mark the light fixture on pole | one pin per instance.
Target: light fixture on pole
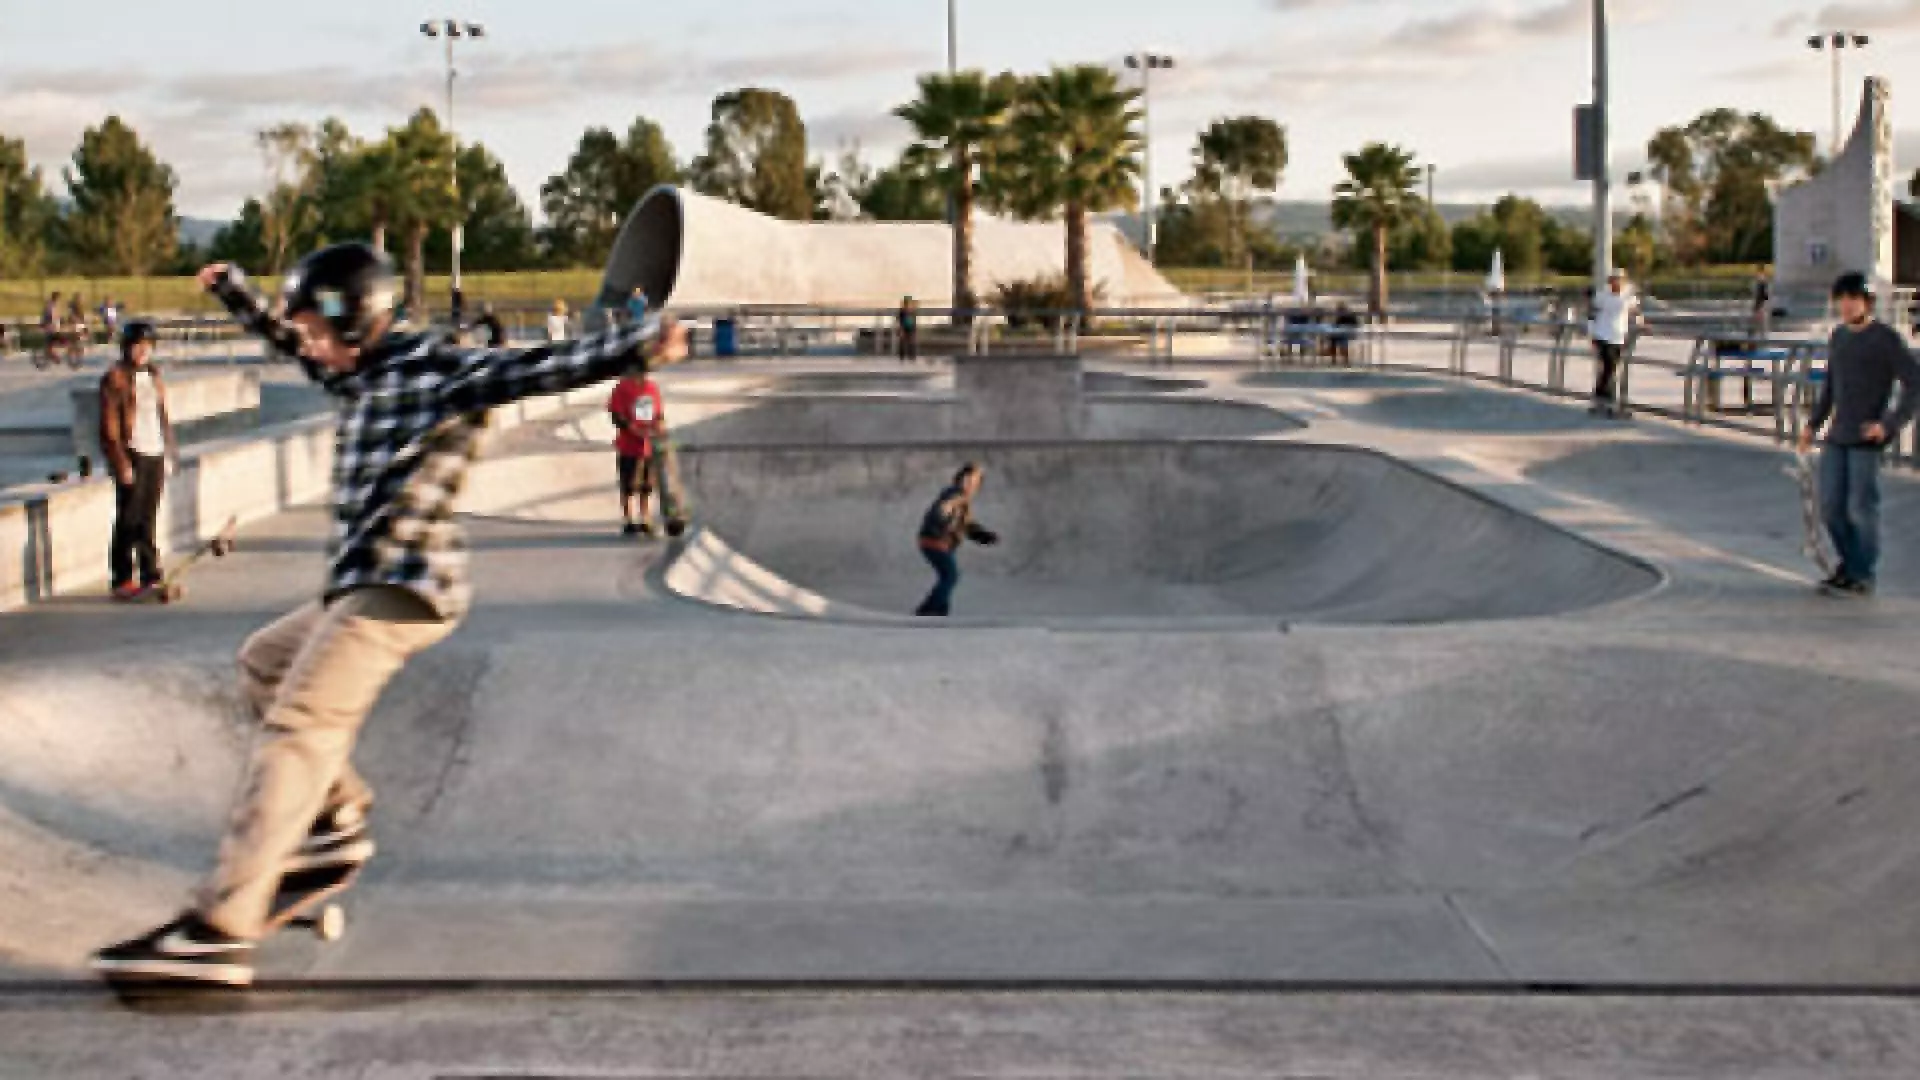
(1836, 42)
(451, 30)
(1146, 63)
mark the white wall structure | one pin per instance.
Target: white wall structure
(1842, 219)
(732, 256)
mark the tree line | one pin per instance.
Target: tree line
(1060, 145)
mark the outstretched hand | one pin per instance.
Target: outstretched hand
(986, 538)
(211, 274)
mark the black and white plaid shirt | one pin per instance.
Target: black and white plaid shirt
(409, 424)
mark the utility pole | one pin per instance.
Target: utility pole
(450, 29)
(1602, 182)
(953, 36)
(1147, 63)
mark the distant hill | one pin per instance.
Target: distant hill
(199, 231)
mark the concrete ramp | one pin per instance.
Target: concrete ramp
(1156, 530)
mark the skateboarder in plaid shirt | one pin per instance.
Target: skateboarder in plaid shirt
(410, 411)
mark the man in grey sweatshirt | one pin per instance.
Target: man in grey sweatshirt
(1865, 358)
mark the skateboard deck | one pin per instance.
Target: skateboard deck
(674, 504)
(646, 256)
(1817, 544)
(172, 587)
(306, 900)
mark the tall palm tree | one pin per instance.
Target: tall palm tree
(1379, 195)
(1075, 149)
(954, 119)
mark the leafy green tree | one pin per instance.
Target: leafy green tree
(1423, 243)
(955, 121)
(756, 154)
(409, 177)
(1074, 149)
(1235, 159)
(1378, 196)
(907, 190)
(26, 212)
(587, 204)
(1715, 173)
(499, 231)
(1637, 248)
(289, 215)
(1566, 249)
(242, 241)
(121, 219)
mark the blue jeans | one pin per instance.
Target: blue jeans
(1850, 504)
(939, 602)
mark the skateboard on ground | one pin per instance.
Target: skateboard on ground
(675, 507)
(306, 900)
(172, 587)
(1817, 544)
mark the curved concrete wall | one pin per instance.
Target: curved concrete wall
(731, 256)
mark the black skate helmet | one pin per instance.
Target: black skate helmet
(136, 332)
(350, 285)
(1853, 283)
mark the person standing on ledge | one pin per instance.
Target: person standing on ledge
(137, 440)
(1865, 358)
(410, 411)
(1616, 315)
(948, 524)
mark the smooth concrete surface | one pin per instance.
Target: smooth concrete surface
(1172, 530)
(1704, 786)
(416, 1035)
(688, 245)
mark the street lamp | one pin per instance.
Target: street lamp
(1146, 63)
(1836, 41)
(452, 30)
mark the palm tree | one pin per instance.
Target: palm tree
(1075, 148)
(1378, 196)
(953, 120)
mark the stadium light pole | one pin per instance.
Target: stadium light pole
(1146, 63)
(451, 30)
(1837, 42)
(1602, 163)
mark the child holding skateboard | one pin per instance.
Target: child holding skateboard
(137, 441)
(949, 523)
(1865, 358)
(410, 411)
(639, 416)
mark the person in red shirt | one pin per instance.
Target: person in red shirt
(639, 416)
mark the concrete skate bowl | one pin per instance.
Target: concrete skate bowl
(1164, 532)
(868, 419)
(1324, 379)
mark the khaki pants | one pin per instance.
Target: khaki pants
(311, 678)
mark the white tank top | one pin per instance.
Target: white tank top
(148, 439)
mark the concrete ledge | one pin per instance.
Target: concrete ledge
(199, 403)
(53, 537)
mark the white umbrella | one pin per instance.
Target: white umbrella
(1302, 281)
(1497, 277)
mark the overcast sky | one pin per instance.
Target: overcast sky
(1481, 88)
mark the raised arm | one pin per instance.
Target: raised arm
(476, 379)
(229, 285)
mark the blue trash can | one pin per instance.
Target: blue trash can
(726, 338)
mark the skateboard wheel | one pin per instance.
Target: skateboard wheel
(676, 528)
(331, 924)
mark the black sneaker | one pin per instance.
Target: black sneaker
(186, 950)
(1835, 582)
(1861, 589)
(632, 529)
(337, 839)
